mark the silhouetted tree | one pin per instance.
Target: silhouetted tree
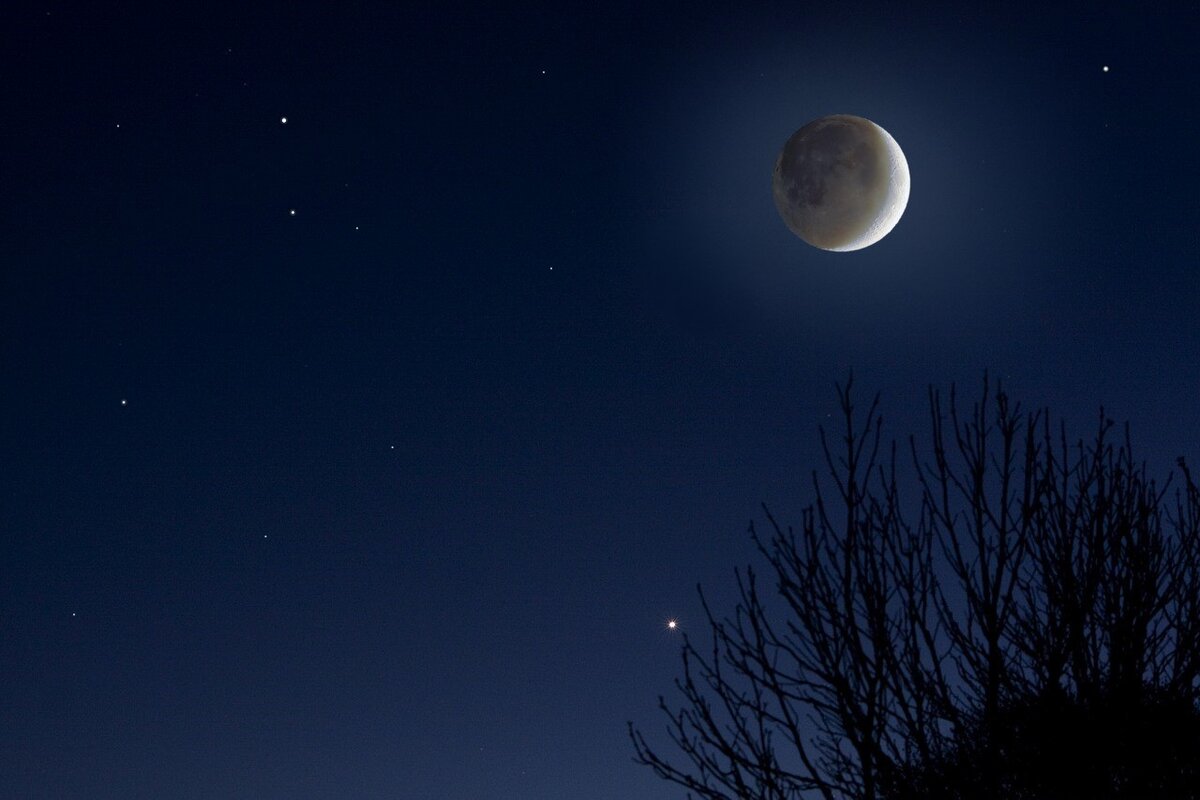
(1028, 628)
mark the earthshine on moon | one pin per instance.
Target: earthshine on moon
(841, 183)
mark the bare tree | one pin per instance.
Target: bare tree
(1028, 626)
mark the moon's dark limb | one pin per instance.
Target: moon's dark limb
(837, 183)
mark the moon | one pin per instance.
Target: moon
(841, 183)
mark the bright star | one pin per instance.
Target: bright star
(672, 624)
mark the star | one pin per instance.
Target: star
(1105, 68)
(672, 624)
(291, 212)
(124, 402)
(283, 120)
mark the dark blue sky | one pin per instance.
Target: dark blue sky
(392, 497)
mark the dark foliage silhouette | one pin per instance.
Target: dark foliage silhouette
(1027, 626)
(1146, 745)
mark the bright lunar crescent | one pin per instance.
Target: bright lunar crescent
(841, 183)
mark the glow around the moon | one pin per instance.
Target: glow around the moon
(841, 183)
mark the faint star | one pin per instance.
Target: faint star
(124, 402)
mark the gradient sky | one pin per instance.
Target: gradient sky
(392, 497)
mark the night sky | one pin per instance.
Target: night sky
(367, 454)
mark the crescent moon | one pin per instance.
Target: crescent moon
(841, 183)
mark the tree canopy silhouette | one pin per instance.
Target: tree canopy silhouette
(1027, 627)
